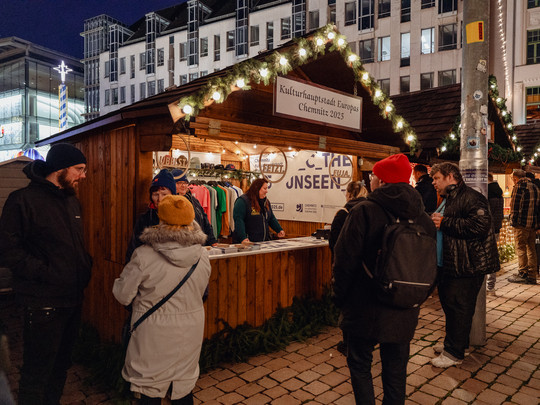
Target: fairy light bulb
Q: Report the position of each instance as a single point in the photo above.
(352, 58)
(410, 138)
(377, 93)
(452, 135)
(443, 148)
(518, 148)
(240, 83)
(509, 125)
(283, 61)
(341, 42)
(302, 52)
(216, 96)
(499, 100)
(187, 109)
(388, 108)
(319, 42)
(504, 113)
(331, 35)
(263, 72)
(365, 76)
(400, 124)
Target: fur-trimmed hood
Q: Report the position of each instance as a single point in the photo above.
(180, 245)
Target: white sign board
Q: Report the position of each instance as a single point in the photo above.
(307, 192)
(307, 102)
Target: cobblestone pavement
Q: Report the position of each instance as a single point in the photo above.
(504, 371)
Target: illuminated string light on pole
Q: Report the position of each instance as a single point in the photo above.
(62, 96)
(502, 35)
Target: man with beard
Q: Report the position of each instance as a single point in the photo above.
(41, 241)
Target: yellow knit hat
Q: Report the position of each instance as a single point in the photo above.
(176, 210)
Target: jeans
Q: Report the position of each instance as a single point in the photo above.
(49, 335)
(394, 358)
(458, 301)
(526, 252)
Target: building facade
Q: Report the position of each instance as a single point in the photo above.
(29, 103)
(406, 45)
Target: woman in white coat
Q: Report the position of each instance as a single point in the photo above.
(163, 352)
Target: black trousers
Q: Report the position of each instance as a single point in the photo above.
(49, 336)
(187, 400)
(394, 359)
(458, 301)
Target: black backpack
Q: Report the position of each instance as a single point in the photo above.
(406, 267)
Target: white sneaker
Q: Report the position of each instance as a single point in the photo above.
(439, 348)
(445, 360)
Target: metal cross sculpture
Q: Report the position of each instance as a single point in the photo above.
(62, 96)
(63, 70)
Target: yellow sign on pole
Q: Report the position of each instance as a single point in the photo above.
(475, 32)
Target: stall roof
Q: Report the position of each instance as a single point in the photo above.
(528, 136)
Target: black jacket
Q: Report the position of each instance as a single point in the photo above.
(339, 220)
(496, 205)
(42, 242)
(469, 245)
(149, 218)
(429, 195)
(360, 239)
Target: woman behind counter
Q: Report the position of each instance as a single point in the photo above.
(253, 216)
(163, 352)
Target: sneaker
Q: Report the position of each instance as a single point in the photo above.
(445, 360)
(521, 280)
(490, 291)
(439, 348)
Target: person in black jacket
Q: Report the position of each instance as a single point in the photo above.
(425, 188)
(496, 205)
(469, 252)
(366, 320)
(162, 185)
(42, 242)
(182, 188)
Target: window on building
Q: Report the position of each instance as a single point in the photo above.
(428, 40)
(114, 94)
(204, 46)
(383, 49)
(132, 67)
(447, 77)
(405, 53)
(182, 51)
(427, 4)
(286, 28)
(183, 79)
(426, 81)
(350, 13)
(203, 73)
(352, 45)
(122, 95)
(532, 103)
(122, 66)
(254, 35)
(160, 85)
(193, 76)
(107, 68)
(447, 37)
(269, 36)
(230, 40)
(313, 20)
(142, 61)
(171, 39)
(298, 18)
(366, 50)
(107, 97)
(142, 91)
(404, 84)
(331, 14)
(405, 10)
(384, 85)
(447, 6)
(160, 57)
(217, 48)
(151, 88)
(132, 93)
(366, 14)
(533, 3)
(533, 47)
(384, 8)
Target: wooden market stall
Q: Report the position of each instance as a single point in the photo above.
(120, 149)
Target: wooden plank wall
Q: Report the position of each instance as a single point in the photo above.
(250, 288)
(296, 228)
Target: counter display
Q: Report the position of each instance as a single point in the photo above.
(249, 285)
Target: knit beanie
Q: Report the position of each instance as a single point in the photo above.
(179, 175)
(176, 210)
(63, 155)
(393, 169)
(164, 179)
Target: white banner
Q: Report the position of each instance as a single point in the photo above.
(307, 193)
(303, 101)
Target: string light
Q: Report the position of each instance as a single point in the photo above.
(187, 109)
(331, 36)
(410, 138)
(283, 61)
(319, 42)
(216, 96)
(378, 93)
(388, 108)
(341, 42)
(263, 72)
(240, 83)
(302, 52)
(400, 124)
(352, 58)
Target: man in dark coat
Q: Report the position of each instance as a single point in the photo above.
(366, 320)
(469, 252)
(496, 205)
(425, 188)
(42, 242)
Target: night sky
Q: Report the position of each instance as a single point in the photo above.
(57, 24)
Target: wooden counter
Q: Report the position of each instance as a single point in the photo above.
(249, 286)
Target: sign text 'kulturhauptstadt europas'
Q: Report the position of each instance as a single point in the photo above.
(306, 101)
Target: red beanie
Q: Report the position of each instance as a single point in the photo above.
(393, 169)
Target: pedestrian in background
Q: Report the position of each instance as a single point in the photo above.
(524, 210)
(42, 242)
(163, 352)
(496, 205)
(469, 252)
(367, 321)
(425, 187)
